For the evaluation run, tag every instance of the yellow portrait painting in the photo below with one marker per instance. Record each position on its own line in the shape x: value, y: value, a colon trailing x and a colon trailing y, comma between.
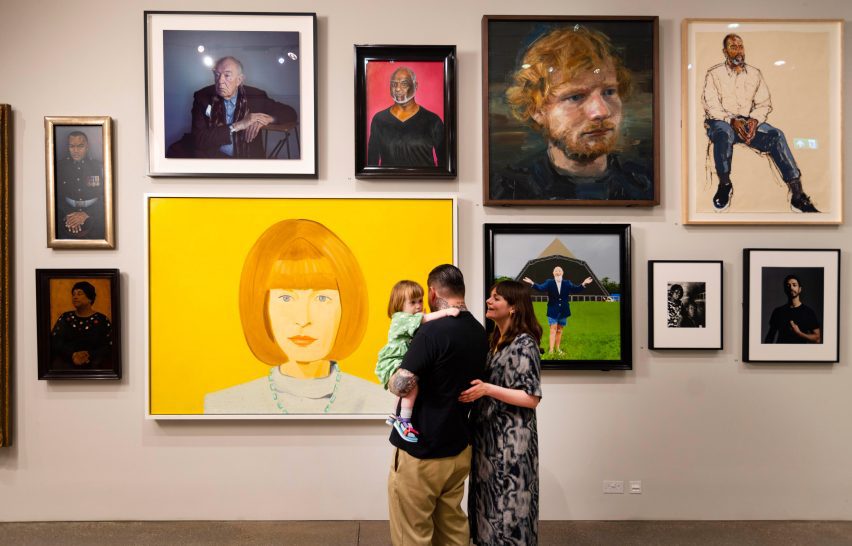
x: 269, y: 307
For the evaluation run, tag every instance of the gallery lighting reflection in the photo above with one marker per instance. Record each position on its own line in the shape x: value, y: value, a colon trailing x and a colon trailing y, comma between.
x: 280, y: 60
x: 734, y: 25
x: 292, y: 56
x: 201, y: 49
x: 208, y: 61
x: 780, y: 63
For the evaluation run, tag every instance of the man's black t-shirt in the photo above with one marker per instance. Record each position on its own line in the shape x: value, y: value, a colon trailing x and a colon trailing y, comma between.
x: 804, y: 317
x: 446, y: 355
x: 406, y: 143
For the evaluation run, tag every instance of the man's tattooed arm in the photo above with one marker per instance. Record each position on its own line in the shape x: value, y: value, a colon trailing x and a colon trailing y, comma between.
x: 402, y: 382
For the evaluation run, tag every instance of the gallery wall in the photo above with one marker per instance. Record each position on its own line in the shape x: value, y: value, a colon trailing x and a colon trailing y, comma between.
x: 709, y: 436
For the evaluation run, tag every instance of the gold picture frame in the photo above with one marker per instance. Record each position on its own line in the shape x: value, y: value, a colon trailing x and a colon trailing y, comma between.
x: 5, y: 292
x: 78, y: 160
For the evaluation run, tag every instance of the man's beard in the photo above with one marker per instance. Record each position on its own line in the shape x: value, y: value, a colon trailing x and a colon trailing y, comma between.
x: 737, y: 60
x: 585, y: 149
x: 404, y: 99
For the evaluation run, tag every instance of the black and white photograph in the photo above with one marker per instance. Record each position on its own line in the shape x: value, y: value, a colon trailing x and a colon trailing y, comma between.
x: 686, y: 301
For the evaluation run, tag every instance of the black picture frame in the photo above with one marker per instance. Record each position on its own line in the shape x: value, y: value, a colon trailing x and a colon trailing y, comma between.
x: 516, y: 161
x: 374, y: 63
x: 278, y: 51
x: 782, y: 287
x: 603, y: 338
x: 695, y: 318
x: 58, y: 324
x: 5, y: 275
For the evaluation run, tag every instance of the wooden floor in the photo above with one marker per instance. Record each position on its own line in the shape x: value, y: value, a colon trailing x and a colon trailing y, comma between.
x: 375, y: 533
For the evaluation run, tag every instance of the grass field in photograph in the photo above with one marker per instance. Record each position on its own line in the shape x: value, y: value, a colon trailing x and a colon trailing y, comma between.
x: 593, y: 331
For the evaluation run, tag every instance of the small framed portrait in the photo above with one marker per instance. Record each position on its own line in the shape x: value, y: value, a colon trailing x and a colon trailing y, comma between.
x: 231, y: 94
x: 405, y: 111
x: 5, y: 279
x: 79, y: 182
x: 570, y: 110
x: 791, y: 305
x: 686, y: 306
x: 78, y: 313
x: 762, y: 123
x: 579, y: 278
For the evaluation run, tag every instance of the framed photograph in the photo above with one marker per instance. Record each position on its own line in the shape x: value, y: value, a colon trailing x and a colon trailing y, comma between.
x: 570, y: 110
x: 226, y: 86
x: 405, y: 111
x: 281, y: 312
x: 762, y: 121
x: 579, y: 277
x: 78, y: 159
x: 5, y: 276
x: 79, y: 327
x: 685, y: 304
x: 791, y: 305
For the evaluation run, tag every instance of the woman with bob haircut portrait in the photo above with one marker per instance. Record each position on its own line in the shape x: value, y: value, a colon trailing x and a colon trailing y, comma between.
x: 303, y: 308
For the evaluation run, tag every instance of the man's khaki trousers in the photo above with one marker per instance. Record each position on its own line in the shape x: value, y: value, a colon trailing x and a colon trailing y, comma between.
x: 424, y: 498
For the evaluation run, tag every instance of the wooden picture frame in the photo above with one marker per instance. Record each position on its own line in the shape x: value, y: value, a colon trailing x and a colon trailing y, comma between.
x: 685, y: 304
x: 598, y: 333
x: 752, y: 154
x: 5, y: 275
x: 267, y: 68
x: 408, y: 131
x: 542, y: 144
x: 791, y: 305
x: 78, y: 160
x: 79, y: 323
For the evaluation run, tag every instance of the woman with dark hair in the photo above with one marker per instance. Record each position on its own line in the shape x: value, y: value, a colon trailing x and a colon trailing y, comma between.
x: 503, y: 495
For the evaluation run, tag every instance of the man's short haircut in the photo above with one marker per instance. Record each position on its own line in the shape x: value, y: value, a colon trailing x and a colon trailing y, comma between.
x: 448, y: 280
x: 556, y: 58
x: 78, y: 134
x: 788, y: 277
x: 229, y: 58
x: 674, y: 287
x: 729, y: 37
x: 411, y: 72
x: 87, y: 289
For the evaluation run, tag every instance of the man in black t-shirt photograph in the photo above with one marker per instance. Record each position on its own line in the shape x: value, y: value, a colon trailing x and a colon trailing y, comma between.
x: 426, y: 480
x: 793, y: 322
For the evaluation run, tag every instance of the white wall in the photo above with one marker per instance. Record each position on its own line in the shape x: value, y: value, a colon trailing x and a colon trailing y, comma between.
x: 710, y: 437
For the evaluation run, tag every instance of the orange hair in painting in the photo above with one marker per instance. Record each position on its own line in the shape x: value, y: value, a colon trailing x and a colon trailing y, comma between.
x: 301, y: 255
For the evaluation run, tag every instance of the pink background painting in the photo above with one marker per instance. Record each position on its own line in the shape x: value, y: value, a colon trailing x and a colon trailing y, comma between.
x: 430, y: 87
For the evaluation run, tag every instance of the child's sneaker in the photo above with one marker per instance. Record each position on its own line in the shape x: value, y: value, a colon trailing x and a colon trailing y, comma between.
x: 391, y: 419
x: 405, y: 430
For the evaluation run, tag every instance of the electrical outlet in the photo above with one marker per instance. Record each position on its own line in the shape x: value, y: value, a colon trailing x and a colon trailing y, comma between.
x: 613, y: 486
x: 636, y: 487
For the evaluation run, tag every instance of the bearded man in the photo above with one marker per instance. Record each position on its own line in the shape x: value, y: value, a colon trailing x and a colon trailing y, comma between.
x: 406, y: 134
x: 570, y: 87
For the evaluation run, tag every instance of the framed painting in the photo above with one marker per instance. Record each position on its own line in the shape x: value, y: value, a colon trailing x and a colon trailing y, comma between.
x: 78, y: 160
x: 579, y: 277
x: 791, y: 305
x: 231, y: 94
x: 405, y: 111
x: 5, y: 276
x: 762, y: 121
x: 300, y: 309
x: 685, y: 304
x: 570, y: 110
x: 79, y: 323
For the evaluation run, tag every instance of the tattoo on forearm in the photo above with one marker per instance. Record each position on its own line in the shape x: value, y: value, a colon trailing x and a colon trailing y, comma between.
x: 402, y: 382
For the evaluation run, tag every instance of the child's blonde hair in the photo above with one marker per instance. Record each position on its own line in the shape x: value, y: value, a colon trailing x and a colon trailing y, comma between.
x: 401, y: 293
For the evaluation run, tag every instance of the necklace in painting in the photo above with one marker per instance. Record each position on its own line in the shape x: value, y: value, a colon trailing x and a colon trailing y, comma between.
x: 280, y: 405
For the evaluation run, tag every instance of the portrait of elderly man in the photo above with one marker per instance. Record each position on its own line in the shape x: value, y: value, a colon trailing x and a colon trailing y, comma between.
x: 736, y: 105
x: 79, y: 191
x: 406, y: 134
x: 227, y: 117
x: 571, y: 86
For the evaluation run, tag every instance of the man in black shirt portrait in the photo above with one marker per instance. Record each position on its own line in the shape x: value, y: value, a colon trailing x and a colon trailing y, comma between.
x: 793, y: 322
x: 79, y: 192
x: 426, y: 481
x: 406, y: 134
